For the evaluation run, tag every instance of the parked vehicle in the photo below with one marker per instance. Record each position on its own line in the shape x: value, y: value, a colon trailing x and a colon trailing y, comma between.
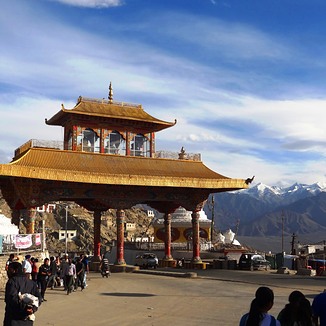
x: 253, y: 261
x: 146, y: 260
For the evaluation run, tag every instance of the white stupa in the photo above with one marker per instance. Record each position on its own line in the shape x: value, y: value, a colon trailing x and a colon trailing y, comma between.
x: 220, y: 238
x: 6, y: 227
x: 229, y: 236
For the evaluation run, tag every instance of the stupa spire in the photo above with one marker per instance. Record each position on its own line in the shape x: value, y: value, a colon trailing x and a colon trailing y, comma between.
x: 110, y: 93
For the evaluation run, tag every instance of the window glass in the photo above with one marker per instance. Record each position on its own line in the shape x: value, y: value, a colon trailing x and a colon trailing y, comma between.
x: 88, y: 141
x: 114, y: 143
x: 140, y: 146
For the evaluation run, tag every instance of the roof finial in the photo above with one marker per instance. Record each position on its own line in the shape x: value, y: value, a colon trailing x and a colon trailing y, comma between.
x: 182, y: 154
x: 110, y: 93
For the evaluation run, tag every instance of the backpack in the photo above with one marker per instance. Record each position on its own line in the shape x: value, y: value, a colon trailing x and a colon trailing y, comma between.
x: 244, y: 318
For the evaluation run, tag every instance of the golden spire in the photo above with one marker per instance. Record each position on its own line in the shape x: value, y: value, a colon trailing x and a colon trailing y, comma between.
x: 110, y: 93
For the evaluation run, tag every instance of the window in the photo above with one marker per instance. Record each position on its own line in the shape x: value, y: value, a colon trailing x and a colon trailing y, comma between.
x: 114, y: 143
x: 140, y: 146
x: 89, y: 141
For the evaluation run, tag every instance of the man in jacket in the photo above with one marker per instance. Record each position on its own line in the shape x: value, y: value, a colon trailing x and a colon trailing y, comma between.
x: 43, y: 275
x: 16, y: 313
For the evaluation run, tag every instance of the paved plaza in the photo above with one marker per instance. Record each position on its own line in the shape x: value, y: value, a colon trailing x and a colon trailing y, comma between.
x: 215, y: 297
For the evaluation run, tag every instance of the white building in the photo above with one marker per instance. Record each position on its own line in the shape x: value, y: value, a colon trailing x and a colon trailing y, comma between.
x: 48, y: 208
x: 71, y: 235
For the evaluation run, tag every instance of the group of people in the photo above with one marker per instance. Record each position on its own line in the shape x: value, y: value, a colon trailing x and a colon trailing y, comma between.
x: 28, y: 281
x: 298, y: 312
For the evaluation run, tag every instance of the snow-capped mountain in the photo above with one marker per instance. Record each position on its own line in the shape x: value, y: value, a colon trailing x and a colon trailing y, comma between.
x: 259, y: 209
x: 284, y: 196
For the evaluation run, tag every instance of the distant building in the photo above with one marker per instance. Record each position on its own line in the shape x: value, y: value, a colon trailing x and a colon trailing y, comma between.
x: 48, y: 208
x: 311, y: 248
x: 143, y: 239
x: 130, y: 226
x: 71, y: 235
x: 150, y: 213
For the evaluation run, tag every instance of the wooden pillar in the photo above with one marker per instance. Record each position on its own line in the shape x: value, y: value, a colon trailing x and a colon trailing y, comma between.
x: 195, y: 237
x: 97, y: 234
x: 127, y: 143
x: 102, y: 140
x: 74, y: 138
x: 30, y: 220
x: 120, y: 237
x: 152, y: 144
x: 15, y: 217
x: 167, y: 242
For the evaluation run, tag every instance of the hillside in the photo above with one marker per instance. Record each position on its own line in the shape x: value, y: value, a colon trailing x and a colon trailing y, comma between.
x: 82, y: 220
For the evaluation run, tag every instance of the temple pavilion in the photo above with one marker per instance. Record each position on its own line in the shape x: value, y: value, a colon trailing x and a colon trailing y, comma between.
x: 108, y: 160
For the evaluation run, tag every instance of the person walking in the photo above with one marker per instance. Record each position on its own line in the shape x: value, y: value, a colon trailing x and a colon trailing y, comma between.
x: 63, y: 267
x: 17, y: 313
x: 85, y: 261
x: 43, y: 275
x: 69, y: 272
x: 54, y: 270
x: 258, y: 313
x: 80, y: 270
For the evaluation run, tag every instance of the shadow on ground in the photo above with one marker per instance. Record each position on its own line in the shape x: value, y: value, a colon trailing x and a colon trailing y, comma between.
x: 121, y: 294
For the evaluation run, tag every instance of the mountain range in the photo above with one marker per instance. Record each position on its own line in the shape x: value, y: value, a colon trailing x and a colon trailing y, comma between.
x: 264, y: 211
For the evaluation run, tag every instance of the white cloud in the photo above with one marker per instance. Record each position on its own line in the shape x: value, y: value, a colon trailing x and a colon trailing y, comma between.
x: 92, y: 3
x: 221, y: 38
x: 63, y: 60
x: 27, y: 116
x: 289, y: 119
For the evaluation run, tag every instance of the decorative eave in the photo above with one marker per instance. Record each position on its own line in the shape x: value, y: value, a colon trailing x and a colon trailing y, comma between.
x: 109, y: 111
x: 94, y: 168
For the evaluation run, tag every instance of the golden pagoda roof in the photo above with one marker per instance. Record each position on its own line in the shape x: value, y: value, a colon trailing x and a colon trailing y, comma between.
x: 95, y: 168
x: 109, y: 111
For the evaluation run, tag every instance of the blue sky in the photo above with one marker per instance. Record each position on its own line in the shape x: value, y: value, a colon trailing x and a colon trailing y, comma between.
x: 244, y: 79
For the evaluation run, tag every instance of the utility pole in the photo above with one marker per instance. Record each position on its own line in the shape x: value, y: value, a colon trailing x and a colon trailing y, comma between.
x: 292, y: 244
x: 212, y: 224
x: 66, y: 233
x: 43, y: 236
x: 282, y: 232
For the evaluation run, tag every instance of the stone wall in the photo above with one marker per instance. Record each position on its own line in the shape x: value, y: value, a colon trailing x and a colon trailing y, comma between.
x: 3, y: 273
x: 3, y: 260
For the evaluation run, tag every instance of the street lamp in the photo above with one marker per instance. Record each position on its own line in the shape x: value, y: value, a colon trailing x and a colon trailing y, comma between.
x: 66, y: 233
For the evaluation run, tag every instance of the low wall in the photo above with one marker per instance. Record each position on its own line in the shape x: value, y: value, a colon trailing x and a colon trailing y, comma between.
x: 3, y: 260
x: 3, y: 273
